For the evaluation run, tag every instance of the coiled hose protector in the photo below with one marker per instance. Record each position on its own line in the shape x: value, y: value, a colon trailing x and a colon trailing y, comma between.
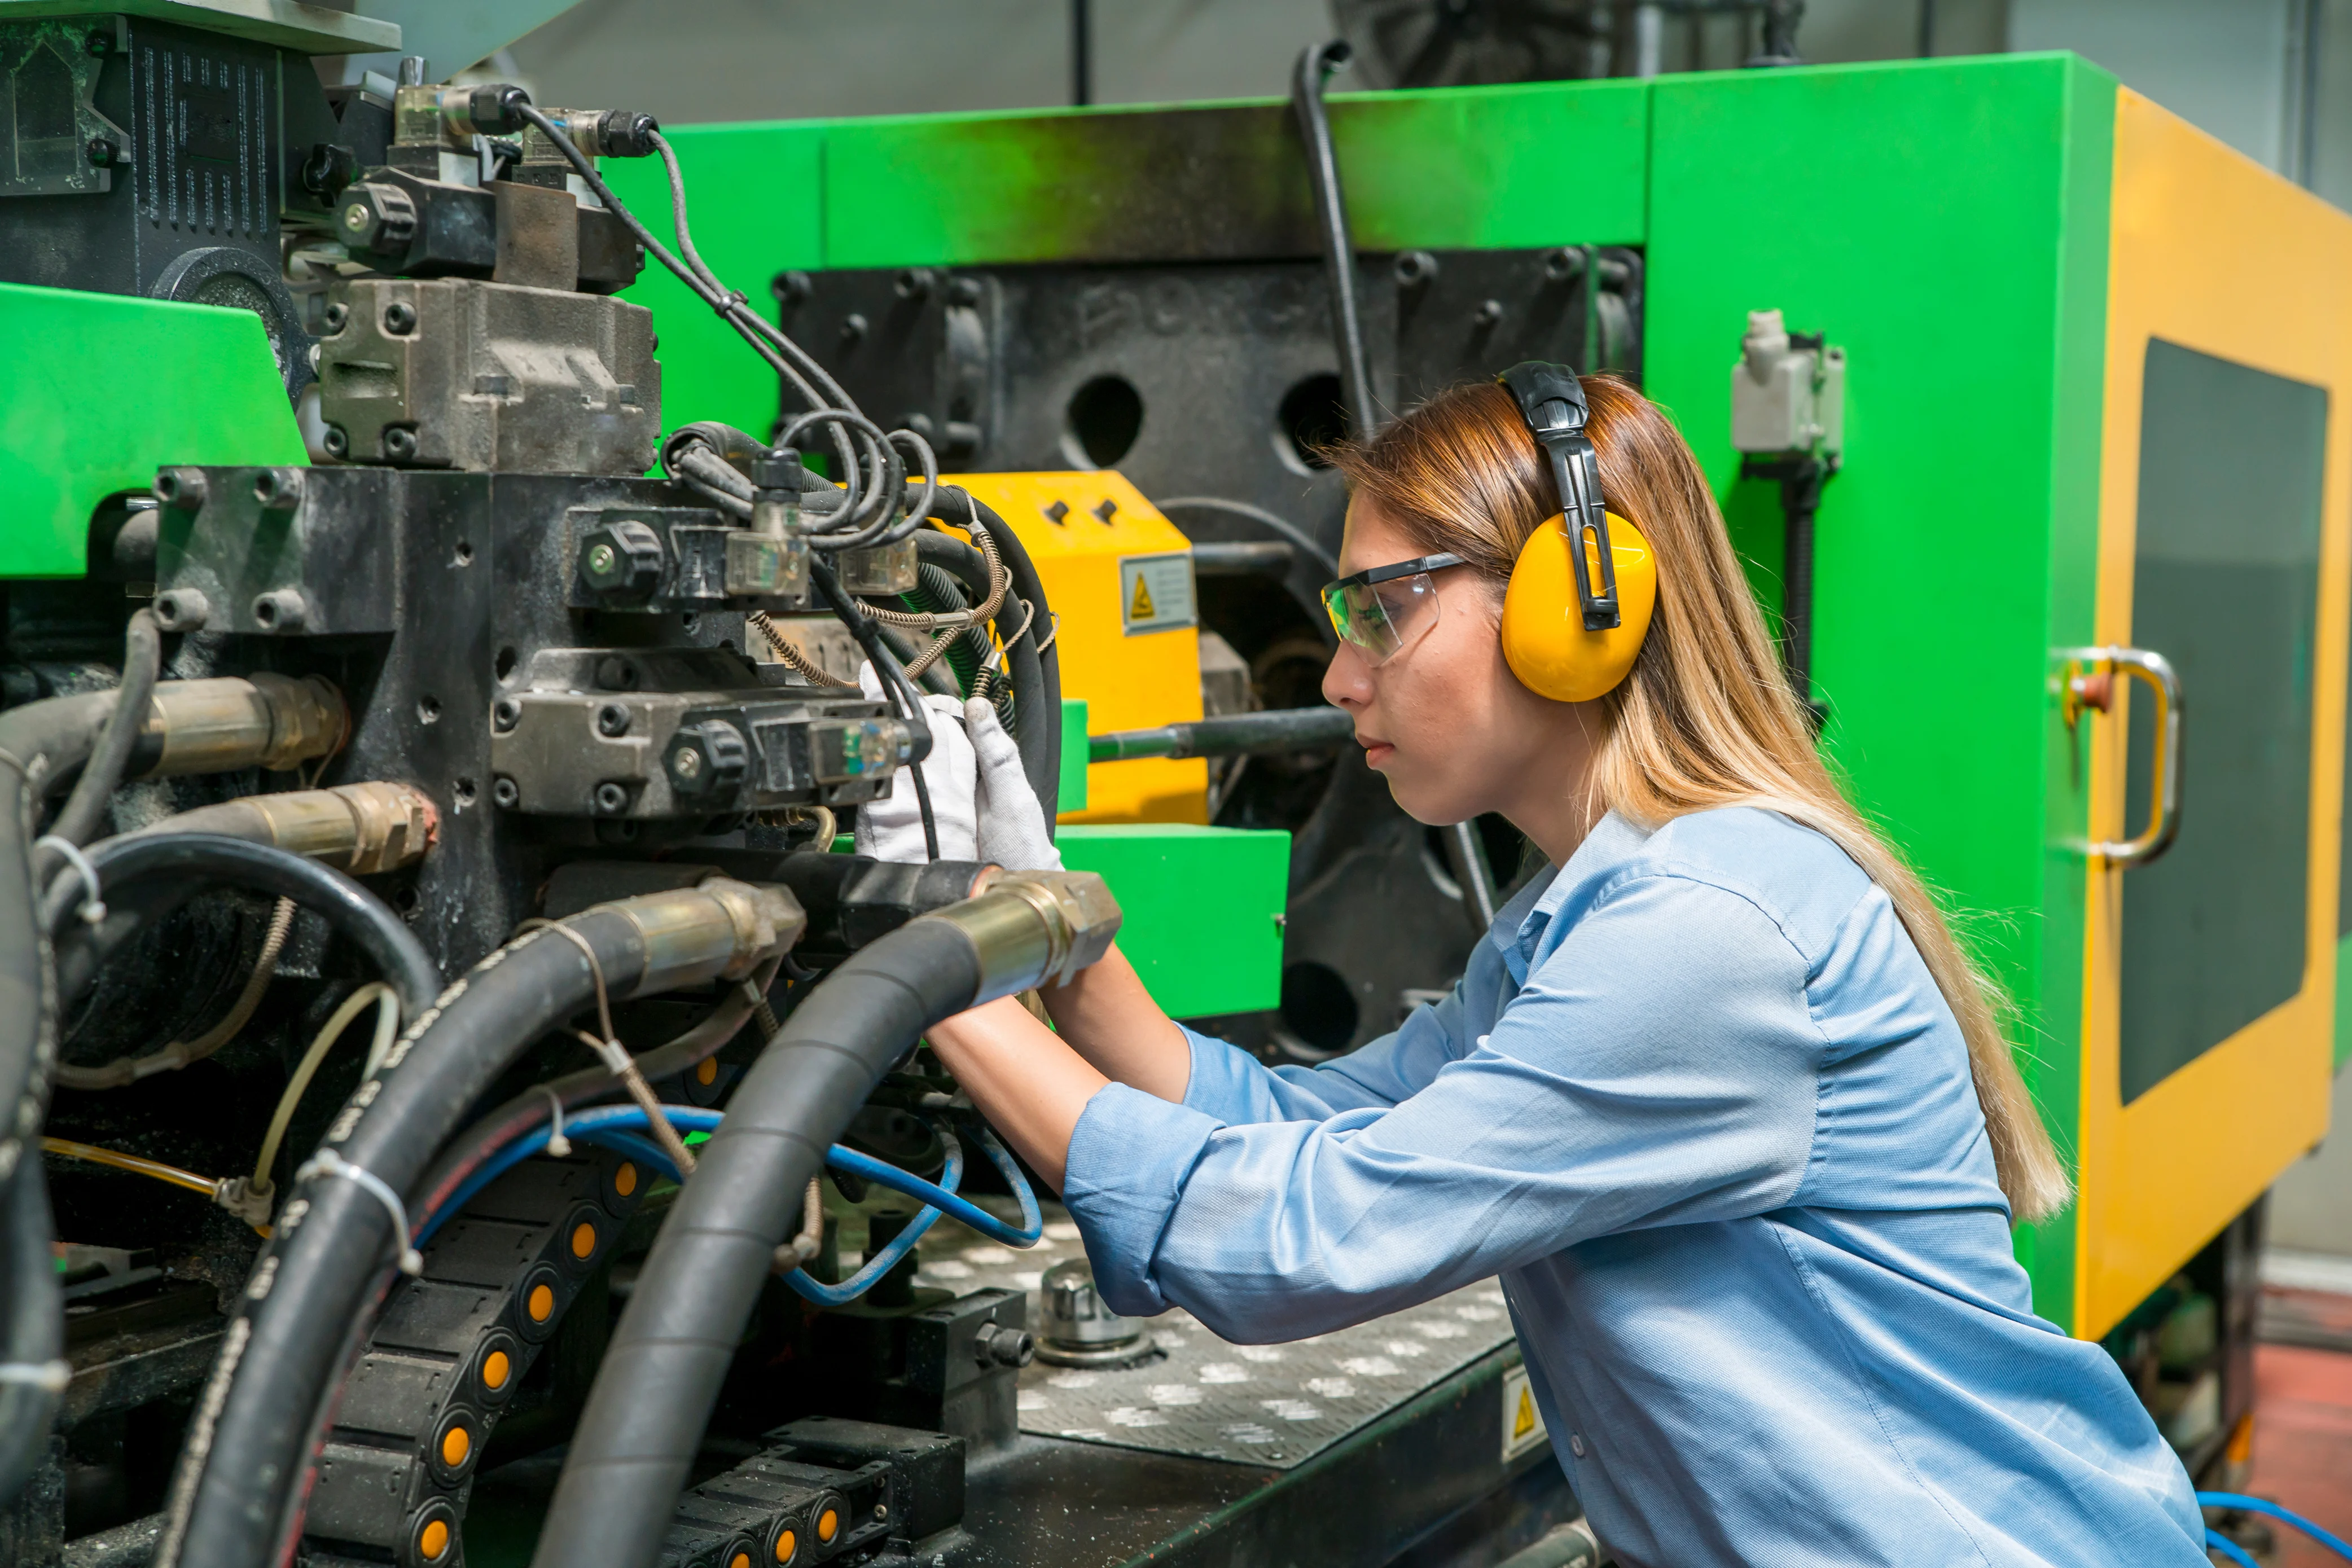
x: 661, y: 1374
x: 236, y: 1500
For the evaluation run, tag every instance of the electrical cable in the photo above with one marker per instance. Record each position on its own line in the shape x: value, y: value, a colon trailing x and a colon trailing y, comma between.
x: 886, y: 668
x: 1316, y: 64
x: 1035, y: 666
x: 2241, y: 1502
x: 127, y: 1069
x: 375, y: 994
x: 33, y: 1369
x: 109, y: 758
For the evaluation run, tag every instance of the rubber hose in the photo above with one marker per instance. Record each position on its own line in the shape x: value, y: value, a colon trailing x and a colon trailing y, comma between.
x: 236, y: 1500
x: 1039, y: 710
x: 35, y: 1331
x: 142, y: 662
x: 189, y: 860
x: 936, y: 593
x: 661, y: 1372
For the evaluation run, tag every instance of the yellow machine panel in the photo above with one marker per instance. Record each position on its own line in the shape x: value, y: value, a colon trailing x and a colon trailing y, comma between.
x: 1120, y: 578
x: 2210, y: 971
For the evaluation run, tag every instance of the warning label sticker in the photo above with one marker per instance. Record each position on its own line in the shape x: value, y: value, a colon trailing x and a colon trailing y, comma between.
x: 1155, y: 592
x: 1523, y: 1426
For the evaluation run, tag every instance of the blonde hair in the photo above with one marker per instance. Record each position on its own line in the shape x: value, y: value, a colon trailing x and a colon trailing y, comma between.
x: 1706, y: 719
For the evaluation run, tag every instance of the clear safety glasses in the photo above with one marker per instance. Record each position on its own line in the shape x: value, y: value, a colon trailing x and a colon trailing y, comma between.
x: 1386, y: 609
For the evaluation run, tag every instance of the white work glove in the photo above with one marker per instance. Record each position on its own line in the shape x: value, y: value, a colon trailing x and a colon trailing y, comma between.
x: 1011, y: 824
x: 891, y: 829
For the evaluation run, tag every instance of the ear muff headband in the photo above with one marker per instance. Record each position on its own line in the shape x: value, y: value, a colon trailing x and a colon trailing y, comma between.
x: 1585, y: 583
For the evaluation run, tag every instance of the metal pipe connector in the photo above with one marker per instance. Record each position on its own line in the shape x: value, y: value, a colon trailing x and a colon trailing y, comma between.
x: 719, y: 929
x: 362, y: 829
x: 221, y: 724
x: 1038, y: 928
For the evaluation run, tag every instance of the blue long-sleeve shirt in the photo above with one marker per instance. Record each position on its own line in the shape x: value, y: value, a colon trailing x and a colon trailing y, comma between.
x: 1699, y: 1102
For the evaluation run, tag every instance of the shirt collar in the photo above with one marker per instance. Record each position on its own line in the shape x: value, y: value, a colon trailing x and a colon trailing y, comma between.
x: 1521, y: 924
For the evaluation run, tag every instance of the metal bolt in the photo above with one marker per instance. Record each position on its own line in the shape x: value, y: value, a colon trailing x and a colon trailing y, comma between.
x: 616, y: 674
x: 505, y: 714
x: 686, y: 762
x: 335, y: 315
x: 181, y: 487
x: 400, y: 318
x: 1415, y: 268
x: 277, y: 487
x: 611, y: 798
x: 1561, y: 264
x: 1489, y: 311
x: 881, y: 1511
x: 963, y: 291
x: 281, y: 610
x: 400, y: 444
x: 337, y: 441
x: 790, y: 288
x: 601, y: 560
x: 504, y: 791
x: 182, y: 609
x: 613, y: 720
x: 101, y: 150
x: 98, y: 42
x: 853, y: 327
x: 914, y: 283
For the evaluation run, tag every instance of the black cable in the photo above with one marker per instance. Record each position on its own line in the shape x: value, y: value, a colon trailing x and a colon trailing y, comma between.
x: 1317, y: 62
x: 662, y: 1370
x: 143, y: 660
x: 923, y: 808
x: 1259, y: 514
x: 236, y: 1498
x: 190, y: 860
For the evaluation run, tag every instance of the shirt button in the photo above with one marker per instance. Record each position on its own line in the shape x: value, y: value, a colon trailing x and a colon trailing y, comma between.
x: 1576, y: 1444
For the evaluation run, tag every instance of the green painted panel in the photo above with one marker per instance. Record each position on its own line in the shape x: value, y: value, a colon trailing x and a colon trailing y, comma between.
x: 1072, y: 796
x: 202, y: 388
x: 759, y: 209
x: 1467, y: 167
x: 1946, y: 223
x: 1202, y: 909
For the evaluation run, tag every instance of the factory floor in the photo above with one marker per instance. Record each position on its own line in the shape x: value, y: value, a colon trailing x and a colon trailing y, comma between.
x: 2302, y: 1419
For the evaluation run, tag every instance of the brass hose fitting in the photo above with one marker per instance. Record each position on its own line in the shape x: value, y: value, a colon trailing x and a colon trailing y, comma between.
x: 221, y: 724
x: 362, y: 829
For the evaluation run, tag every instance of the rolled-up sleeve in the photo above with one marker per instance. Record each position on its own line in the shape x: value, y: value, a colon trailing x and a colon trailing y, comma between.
x: 1661, y: 1066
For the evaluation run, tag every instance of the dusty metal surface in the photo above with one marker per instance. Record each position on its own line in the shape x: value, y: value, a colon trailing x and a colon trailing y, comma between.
x: 1270, y: 1406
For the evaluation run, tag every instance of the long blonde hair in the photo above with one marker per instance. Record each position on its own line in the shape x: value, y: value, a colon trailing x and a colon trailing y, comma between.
x: 1706, y: 719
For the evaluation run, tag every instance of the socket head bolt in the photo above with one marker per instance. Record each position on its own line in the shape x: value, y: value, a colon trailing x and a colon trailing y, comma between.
x: 505, y: 792
x: 281, y: 610
x: 612, y: 798
x: 333, y: 317
x: 964, y: 291
x: 1416, y: 269
x: 708, y: 759
x: 182, y: 609
x: 400, y: 318
x: 1488, y: 313
x: 505, y: 714
x: 278, y: 489
x: 613, y: 720
x: 182, y: 490
x: 791, y: 286
x: 400, y: 444
x: 622, y: 560
x: 1564, y: 265
x: 336, y: 440
x: 379, y: 218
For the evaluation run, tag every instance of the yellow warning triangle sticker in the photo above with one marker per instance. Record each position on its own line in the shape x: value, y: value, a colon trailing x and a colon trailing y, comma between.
x: 1142, y: 609
x: 1524, y: 1423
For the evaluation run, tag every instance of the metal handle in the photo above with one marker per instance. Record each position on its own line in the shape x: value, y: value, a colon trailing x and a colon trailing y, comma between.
x: 2090, y: 684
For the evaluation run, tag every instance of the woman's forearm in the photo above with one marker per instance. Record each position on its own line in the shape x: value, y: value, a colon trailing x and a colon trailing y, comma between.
x: 1030, y: 1085
x: 1109, y: 1018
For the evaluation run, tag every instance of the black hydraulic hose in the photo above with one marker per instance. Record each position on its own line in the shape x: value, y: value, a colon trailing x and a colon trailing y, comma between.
x: 77, y: 819
x: 1036, y: 697
x: 187, y: 861
x: 888, y: 669
x: 237, y: 1499
x: 1316, y: 63
x: 32, y: 1341
x: 662, y: 1371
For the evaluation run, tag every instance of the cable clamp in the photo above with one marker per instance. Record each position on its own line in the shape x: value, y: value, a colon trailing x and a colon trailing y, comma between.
x: 326, y: 1162
x: 48, y: 1376
x: 558, y: 1146
x: 93, y: 906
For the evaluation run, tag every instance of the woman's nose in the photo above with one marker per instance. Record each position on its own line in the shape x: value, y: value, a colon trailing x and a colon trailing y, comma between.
x: 1347, y: 679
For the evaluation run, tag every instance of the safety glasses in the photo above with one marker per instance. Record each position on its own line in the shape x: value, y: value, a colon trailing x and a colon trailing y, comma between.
x: 1386, y: 609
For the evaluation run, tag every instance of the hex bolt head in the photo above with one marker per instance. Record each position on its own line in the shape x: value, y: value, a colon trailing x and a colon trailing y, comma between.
x: 182, y: 609
x: 505, y: 714
x: 613, y: 720
x: 281, y: 610
x: 790, y: 288
x: 400, y: 444
x: 1416, y: 269
x: 1561, y: 265
x: 622, y: 560
x: 612, y: 798
x: 337, y: 441
x: 183, y: 489
x: 505, y: 793
x: 1002, y: 1344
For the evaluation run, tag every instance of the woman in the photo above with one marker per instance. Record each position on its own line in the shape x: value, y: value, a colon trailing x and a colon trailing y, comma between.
x: 1721, y: 1099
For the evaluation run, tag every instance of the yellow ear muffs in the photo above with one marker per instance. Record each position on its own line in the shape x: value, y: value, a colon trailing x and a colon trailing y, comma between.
x: 1544, y: 639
